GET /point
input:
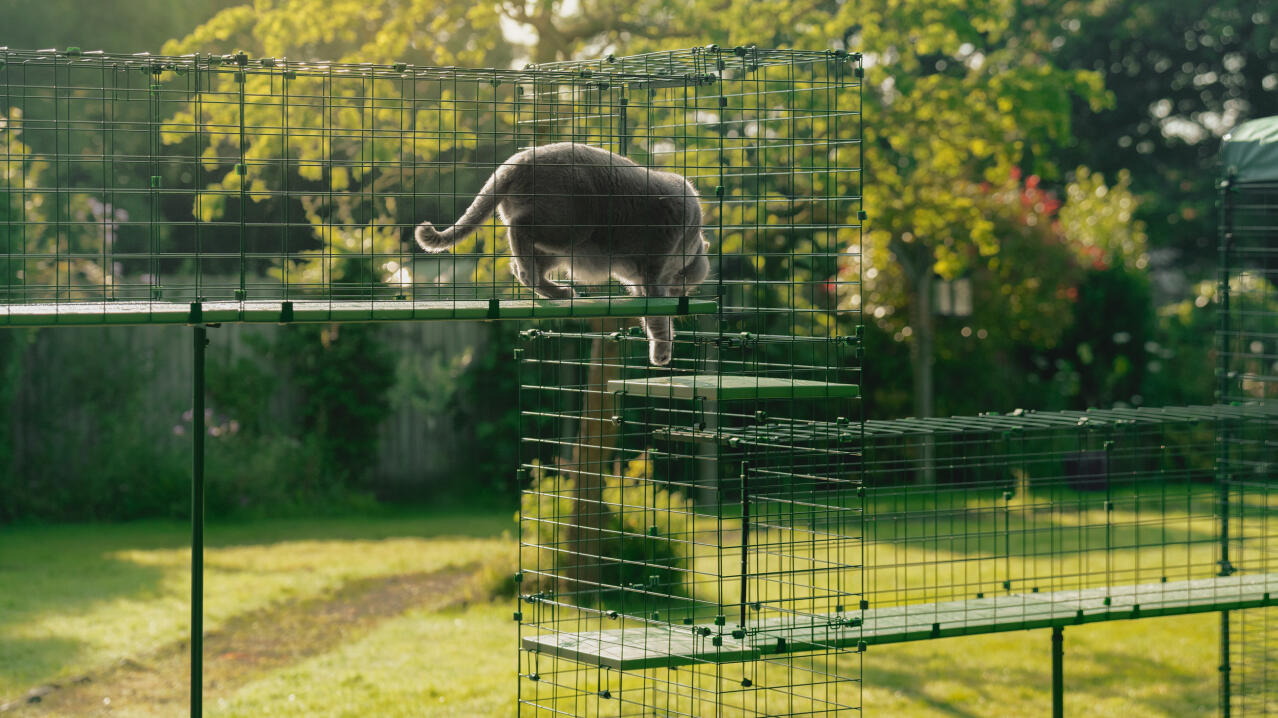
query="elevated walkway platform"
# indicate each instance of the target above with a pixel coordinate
(83, 314)
(726, 387)
(671, 645)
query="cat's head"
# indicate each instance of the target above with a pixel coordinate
(696, 270)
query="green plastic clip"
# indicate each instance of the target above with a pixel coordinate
(156, 181)
(74, 51)
(240, 295)
(241, 169)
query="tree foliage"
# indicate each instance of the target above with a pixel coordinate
(1182, 73)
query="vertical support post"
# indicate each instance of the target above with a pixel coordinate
(745, 539)
(1226, 693)
(197, 522)
(1058, 672)
(1223, 428)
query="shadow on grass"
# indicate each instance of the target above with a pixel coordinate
(991, 678)
(67, 570)
(259, 642)
(50, 582)
(23, 659)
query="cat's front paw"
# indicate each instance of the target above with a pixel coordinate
(659, 352)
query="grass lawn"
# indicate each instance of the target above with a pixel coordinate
(389, 616)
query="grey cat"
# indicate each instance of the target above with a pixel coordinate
(595, 214)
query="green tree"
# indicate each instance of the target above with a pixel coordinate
(1182, 73)
(957, 94)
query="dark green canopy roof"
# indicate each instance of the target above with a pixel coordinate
(1250, 151)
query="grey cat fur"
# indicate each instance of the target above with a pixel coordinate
(595, 214)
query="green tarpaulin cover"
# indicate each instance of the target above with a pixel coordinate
(1250, 151)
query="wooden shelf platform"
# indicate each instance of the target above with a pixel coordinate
(714, 387)
(663, 646)
(296, 311)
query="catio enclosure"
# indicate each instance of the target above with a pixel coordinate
(721, 536)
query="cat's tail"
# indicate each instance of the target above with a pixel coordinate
(433, 240)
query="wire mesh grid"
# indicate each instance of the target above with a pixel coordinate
(1247, 374)
(138, 179)
(1045, 505)
(664, 569)
(708, 529)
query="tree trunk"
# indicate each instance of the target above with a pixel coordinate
(922, 349)
(922, 356)
(916, 261)
(589, 466)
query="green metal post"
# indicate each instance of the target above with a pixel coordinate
(197, 523)
(745, 540)
(1058, 672)
(1226, 693)
(1223, 432)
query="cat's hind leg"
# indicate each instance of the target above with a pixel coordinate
(531, 267)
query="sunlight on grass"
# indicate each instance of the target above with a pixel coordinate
(457, 662)
(1152, 668)
(95, 594)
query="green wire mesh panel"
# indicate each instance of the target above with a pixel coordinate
(667, 569)
(1247, 372)
(1080, 507)
(136, 185)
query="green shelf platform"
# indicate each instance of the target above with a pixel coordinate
(83, 314)
(714, 387)
(783, 432)
(677, 645)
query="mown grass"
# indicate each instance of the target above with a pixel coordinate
(77, 599)
(81, 597)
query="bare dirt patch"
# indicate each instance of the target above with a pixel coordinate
(245, 647)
